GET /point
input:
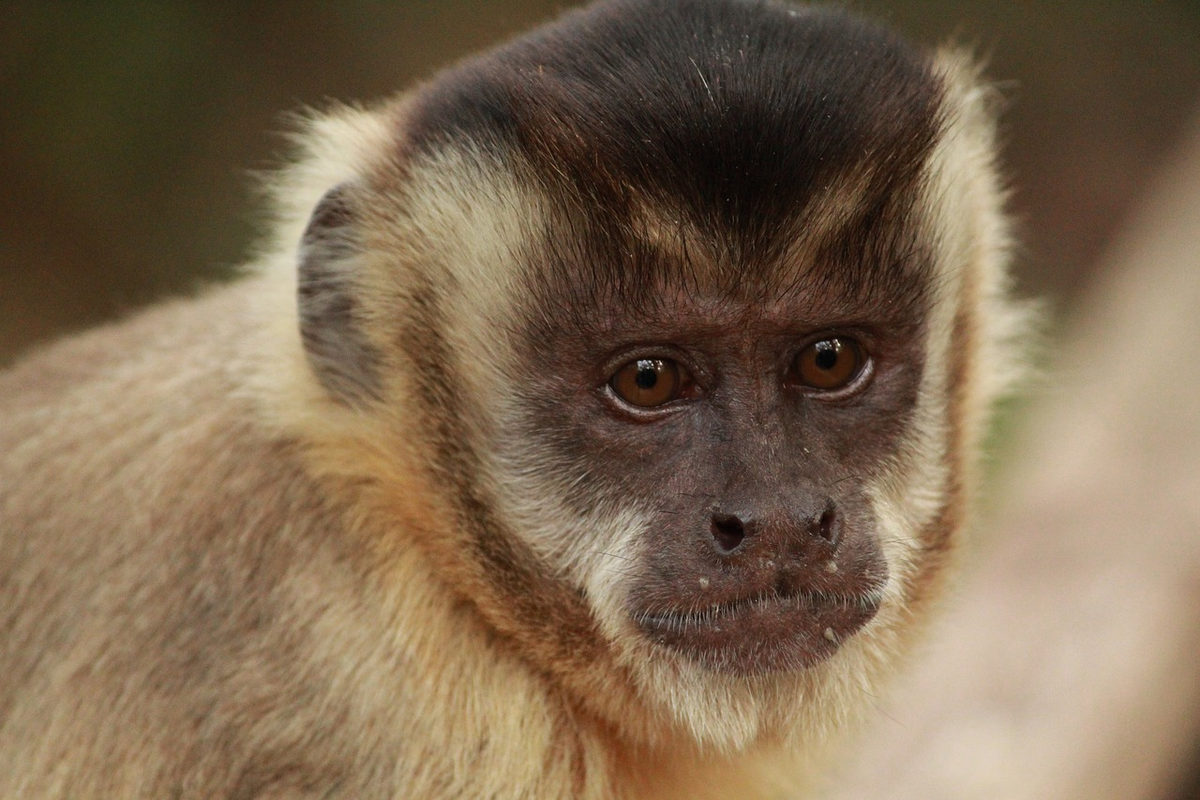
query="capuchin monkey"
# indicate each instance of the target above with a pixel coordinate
(599, 421)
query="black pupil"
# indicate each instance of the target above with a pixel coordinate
(647, 374)
(827, 355)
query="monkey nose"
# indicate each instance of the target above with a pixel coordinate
(735, 532)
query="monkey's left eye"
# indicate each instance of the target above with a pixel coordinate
(830, 364)
(649, 382)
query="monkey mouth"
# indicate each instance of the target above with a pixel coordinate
(765, 633)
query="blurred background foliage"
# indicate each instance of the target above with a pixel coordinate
(129, 131)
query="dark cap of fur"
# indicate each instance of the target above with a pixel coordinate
(737, 113)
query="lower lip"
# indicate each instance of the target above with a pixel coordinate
(764, 636)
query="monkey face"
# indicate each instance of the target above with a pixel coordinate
(746, 435)
(756, 561)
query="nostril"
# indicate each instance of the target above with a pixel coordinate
(827, 526)
(728, 531)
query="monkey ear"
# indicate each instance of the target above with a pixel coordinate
(331, 326)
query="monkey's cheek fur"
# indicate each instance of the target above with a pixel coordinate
(762, 635)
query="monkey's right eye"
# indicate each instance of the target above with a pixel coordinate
(649, 382)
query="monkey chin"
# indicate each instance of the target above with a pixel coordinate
(762, 635)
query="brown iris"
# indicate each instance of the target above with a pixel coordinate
(830, 364)
(648, 382)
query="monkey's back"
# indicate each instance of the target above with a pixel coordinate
(153, 541)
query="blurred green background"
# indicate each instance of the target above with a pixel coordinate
(129, 130)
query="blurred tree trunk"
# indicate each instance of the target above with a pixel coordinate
(1069, 665)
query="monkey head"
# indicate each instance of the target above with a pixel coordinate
(665, 334)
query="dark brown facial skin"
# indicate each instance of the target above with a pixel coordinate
(761, 553)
